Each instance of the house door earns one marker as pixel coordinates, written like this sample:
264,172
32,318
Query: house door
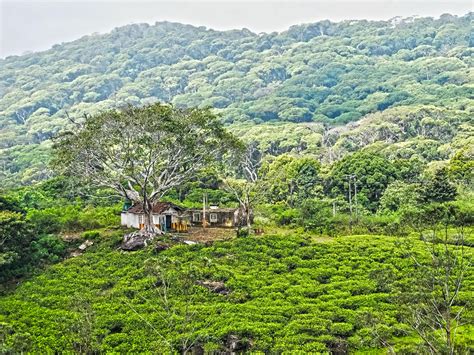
168,222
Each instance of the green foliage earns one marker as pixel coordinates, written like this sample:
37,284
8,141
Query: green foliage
399,195
8,204
48,248
434,305
317,215
47,220
461,166
93,235
322,72
439,188
141,153
374,173
14,236
32,217
292,179
310,296
73,217
21,249
410,153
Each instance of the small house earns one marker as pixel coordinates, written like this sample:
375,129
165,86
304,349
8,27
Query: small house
166,216
215,217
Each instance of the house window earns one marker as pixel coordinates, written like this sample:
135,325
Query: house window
213,217
196,217
141,219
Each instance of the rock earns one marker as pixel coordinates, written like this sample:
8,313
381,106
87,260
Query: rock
215,286
136,240
81,248
160,246
235,344
175,239
86,245
197,349
189,242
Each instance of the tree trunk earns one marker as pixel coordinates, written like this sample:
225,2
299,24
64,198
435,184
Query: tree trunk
249,222
149,225
247,213
448,331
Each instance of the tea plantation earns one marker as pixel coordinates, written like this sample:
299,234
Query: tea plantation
272,293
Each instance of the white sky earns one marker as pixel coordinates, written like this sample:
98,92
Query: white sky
34,25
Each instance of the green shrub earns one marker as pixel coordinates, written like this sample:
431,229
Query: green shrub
92,235
49,248
288,217
243,232
45,221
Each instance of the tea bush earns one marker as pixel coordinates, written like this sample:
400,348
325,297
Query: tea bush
282,294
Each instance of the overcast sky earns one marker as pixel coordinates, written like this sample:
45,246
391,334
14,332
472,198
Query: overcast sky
36,25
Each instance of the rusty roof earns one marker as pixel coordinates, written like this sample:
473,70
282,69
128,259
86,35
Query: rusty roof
213,210
158,207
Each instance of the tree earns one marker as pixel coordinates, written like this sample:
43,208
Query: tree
320,72
142,153
14,236
374,172
175,296
432,305
245,182
292,179
439,188
398,195
316,214
461,166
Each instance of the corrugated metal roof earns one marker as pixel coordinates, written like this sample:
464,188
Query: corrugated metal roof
158,207
212,210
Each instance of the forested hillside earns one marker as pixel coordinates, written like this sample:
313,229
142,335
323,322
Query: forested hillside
410,78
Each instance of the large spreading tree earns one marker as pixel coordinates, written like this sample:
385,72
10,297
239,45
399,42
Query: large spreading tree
142,152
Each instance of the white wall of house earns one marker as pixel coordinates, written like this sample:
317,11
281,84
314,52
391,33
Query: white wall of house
132,220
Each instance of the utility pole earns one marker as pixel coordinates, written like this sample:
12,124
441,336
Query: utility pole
349,178
355,198
204,203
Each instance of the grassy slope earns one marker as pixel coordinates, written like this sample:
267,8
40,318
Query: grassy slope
287,293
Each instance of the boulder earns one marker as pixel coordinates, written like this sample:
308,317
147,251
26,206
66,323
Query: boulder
160,246
80,249
85,245
136,240
237,345
75,253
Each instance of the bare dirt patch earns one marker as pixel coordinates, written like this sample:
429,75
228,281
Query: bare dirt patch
203,235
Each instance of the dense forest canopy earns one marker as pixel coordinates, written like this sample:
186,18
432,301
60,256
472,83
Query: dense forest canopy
324,72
